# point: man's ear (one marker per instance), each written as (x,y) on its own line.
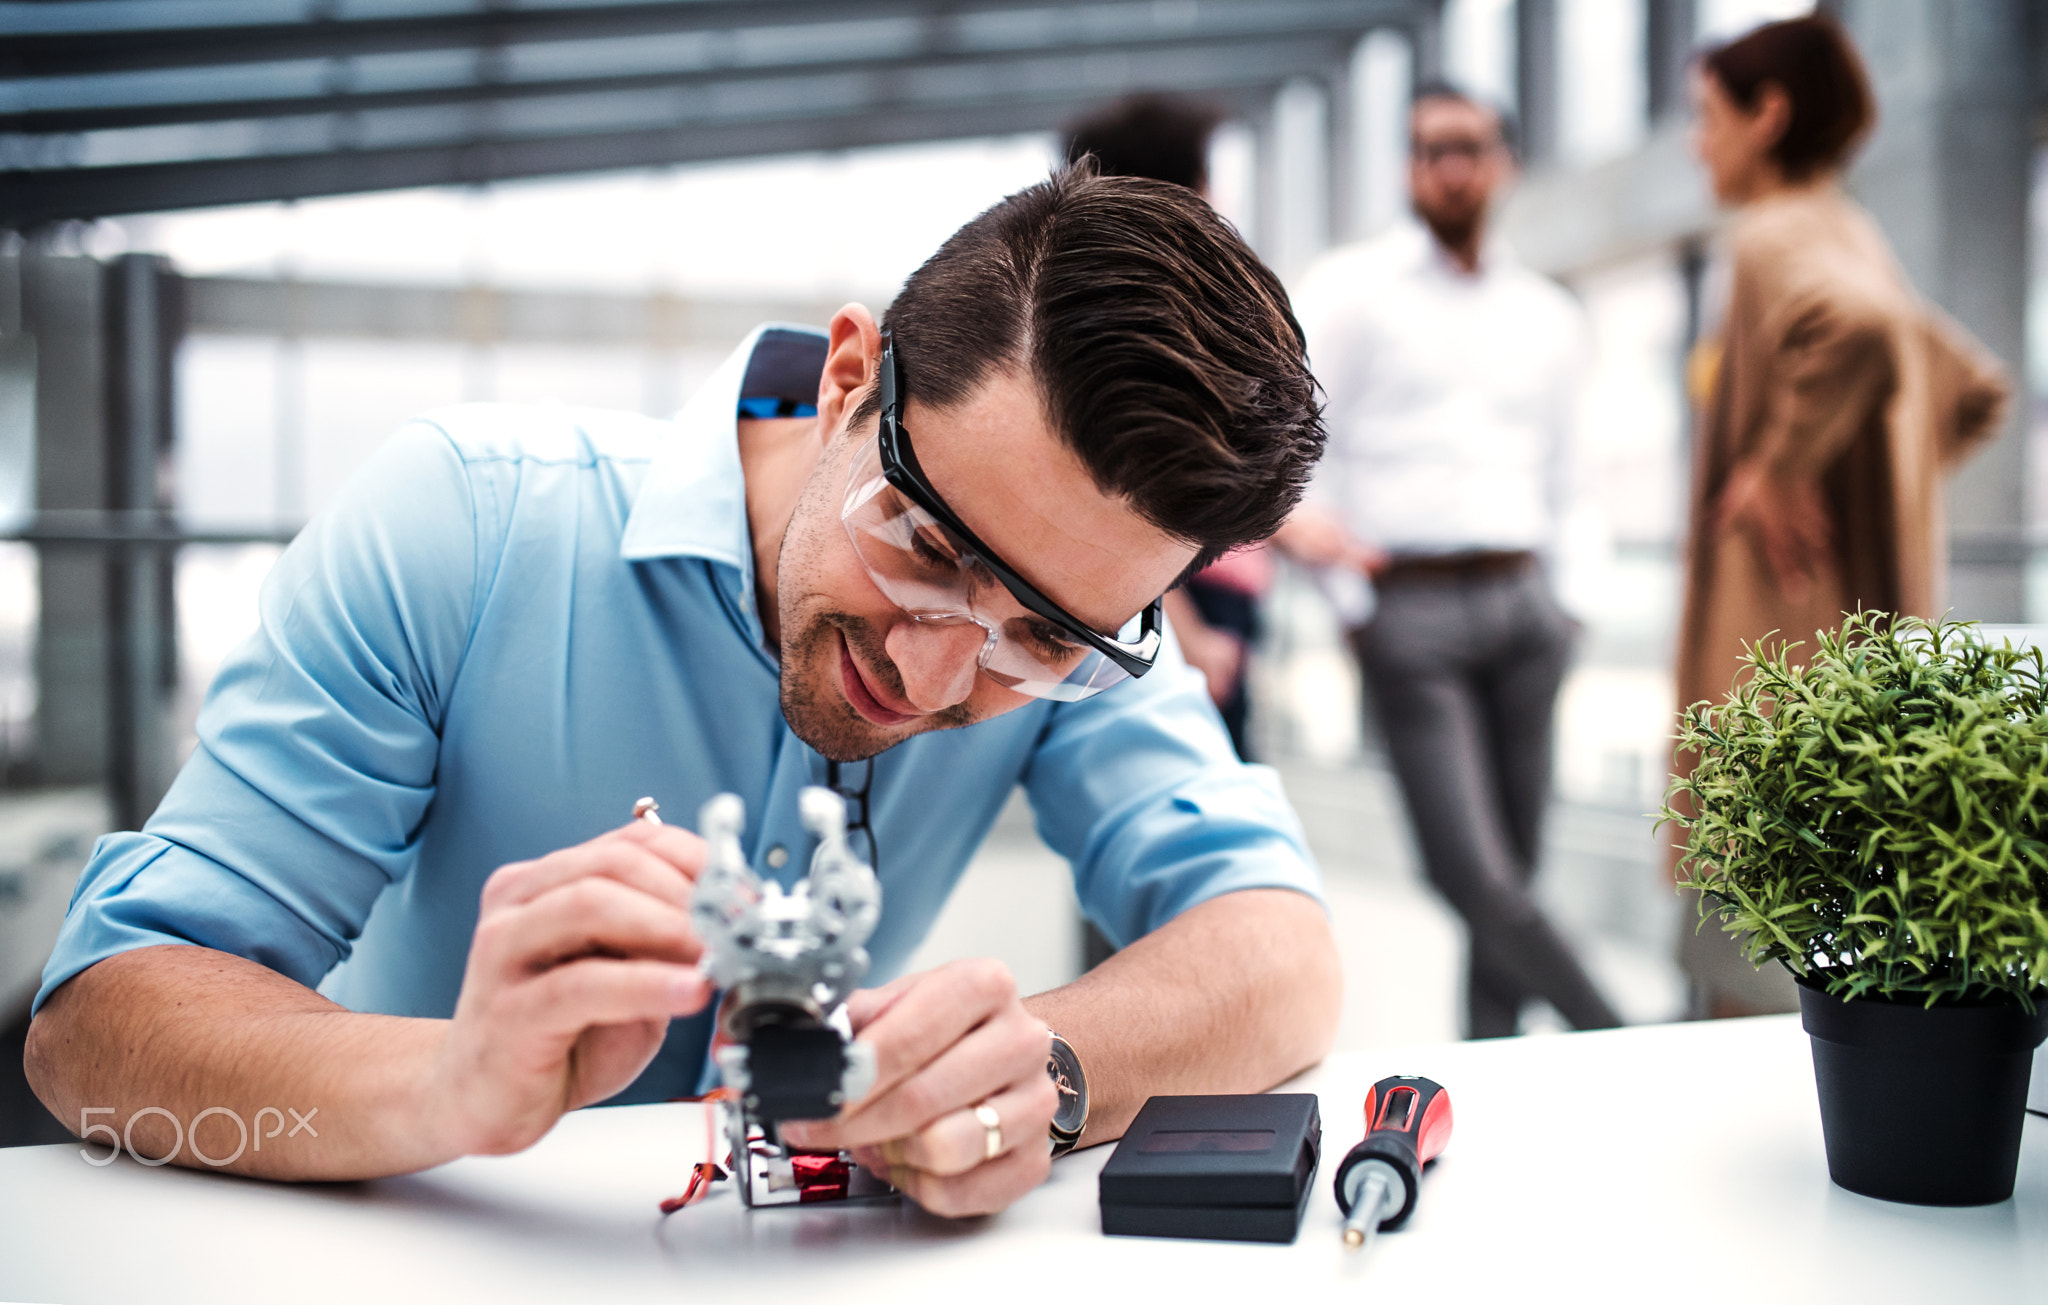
(853,352)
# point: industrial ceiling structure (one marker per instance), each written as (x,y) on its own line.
(122,106)
(111,107)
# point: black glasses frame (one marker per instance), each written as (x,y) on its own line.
(900,467)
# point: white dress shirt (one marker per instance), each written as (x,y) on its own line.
(1452,396)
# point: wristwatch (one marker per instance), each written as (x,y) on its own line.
(1072,1115)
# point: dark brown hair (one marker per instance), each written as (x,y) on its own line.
(1438,88)
(1166,351)
(1815,63)
(1164,137)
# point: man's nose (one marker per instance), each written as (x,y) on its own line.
(938,660)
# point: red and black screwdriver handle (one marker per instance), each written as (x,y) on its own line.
(1407,1122)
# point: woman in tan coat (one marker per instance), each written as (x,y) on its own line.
(1833,402)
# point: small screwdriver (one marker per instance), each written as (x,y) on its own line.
(1407,1122)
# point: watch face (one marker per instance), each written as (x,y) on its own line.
(1065,1069)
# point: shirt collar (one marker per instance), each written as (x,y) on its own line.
(694,500)
(1425,254)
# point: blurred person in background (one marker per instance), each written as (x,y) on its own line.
(1452,374)
(1215,613)
(1832,401)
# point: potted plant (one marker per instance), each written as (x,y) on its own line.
(1876,821)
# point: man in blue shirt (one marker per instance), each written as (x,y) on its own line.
(921,563)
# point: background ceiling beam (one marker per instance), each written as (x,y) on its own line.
(482,314)
(32,50)
(501,139)
(109,108)
(32,199)
(1318,44)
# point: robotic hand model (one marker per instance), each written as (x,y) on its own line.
(786,962)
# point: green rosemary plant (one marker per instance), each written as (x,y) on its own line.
(1875,820)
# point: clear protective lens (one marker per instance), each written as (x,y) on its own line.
(920,566)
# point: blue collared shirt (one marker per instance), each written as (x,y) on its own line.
(514,621)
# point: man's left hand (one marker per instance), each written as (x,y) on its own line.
(945,1042)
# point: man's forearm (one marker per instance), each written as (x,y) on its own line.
(237,1066)
(579,960)
(1234,995)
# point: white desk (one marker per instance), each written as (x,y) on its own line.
(1680,1163)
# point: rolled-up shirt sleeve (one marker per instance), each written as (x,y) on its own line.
(317,743)
(1139,789)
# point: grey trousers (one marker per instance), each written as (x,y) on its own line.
(1464,673)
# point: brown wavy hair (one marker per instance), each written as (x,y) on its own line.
(1167,354)
(1813,60)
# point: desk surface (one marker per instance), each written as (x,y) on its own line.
(1711,1185)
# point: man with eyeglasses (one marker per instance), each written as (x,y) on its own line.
(919,560)
(1452,374)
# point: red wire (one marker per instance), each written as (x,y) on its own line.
(705,1172)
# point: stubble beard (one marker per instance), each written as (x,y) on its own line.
(814,706)
(812,700)
(1458,230)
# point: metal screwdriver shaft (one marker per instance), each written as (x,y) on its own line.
(1365,1216)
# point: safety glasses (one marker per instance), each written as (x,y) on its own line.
(927,562)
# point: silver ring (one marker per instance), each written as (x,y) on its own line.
(992,1125)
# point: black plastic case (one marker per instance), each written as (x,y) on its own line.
(1230,1168)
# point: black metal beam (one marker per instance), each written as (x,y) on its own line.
(777,116)
(70,53)
(33,199)
(129,531)
(1668,41)
(359,310)
(68,120)
(1537,100)
(141,627)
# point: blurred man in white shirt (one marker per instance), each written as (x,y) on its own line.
(1452,375)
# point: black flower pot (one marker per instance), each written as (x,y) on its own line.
(1922,1104)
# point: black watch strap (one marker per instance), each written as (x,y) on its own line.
(1070,1117)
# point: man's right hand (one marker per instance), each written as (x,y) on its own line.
(579,961)
(1318,539)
